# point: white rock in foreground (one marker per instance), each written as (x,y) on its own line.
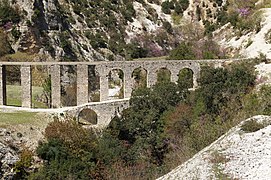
(236,155)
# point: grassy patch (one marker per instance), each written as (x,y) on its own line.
(252,126)
(151,58)
(14,93)
(14,118)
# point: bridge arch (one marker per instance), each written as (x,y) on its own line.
(116,84)
(105,111)
(192,67)
(139,77)
(163,74)
(185,78)
(87,116)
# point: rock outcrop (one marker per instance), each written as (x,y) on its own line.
(235,155)
(8,154)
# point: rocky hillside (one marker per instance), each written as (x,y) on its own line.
(102,30)
(84,30)
(65,30)
(242,153)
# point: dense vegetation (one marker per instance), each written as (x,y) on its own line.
(8,13)
(164,126)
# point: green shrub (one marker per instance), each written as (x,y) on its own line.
(163,75)
(166,6)
(183,51)
(5,47)
(8,13)
(69,152)
(251,126)
(15,33)
(67,46)
(22,166)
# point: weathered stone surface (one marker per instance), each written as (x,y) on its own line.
(105,110)
(82,84)
(3,97)
(56,86)
(7,159)
(26,85)
(128,83)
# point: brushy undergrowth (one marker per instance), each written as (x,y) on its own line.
(252,126)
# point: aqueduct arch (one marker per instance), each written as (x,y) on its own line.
(104,109)
(102,68)
(139,77)
(87,116)
(163,74)
(116,79)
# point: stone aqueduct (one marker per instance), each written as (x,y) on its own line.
(104,109)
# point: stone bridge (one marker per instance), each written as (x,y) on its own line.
(105,109)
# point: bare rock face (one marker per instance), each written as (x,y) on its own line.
(8,155)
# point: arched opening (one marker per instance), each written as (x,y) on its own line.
(139,76)
(41,87)
(185,80)
(13,86)
(87,117)
(68,85)
(115,84)
(93,84)
(163,75)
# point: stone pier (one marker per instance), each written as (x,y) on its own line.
(174,76)
(3,92)
(128,84)
(103,87)
(195,78)
(82,84)
(151,78)
(26,85)
(56,86)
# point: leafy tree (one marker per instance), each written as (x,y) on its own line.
(218,86)
(5,47)
(183,51)
(8,13)
(185,80)
(142,127)
(168,27)
(135,51)
(166,6)
(69,152)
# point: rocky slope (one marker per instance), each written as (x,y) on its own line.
(8,158)
(100,30)
(83,30)
(68,30)
(251,44)
(235,155)
(17,136)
